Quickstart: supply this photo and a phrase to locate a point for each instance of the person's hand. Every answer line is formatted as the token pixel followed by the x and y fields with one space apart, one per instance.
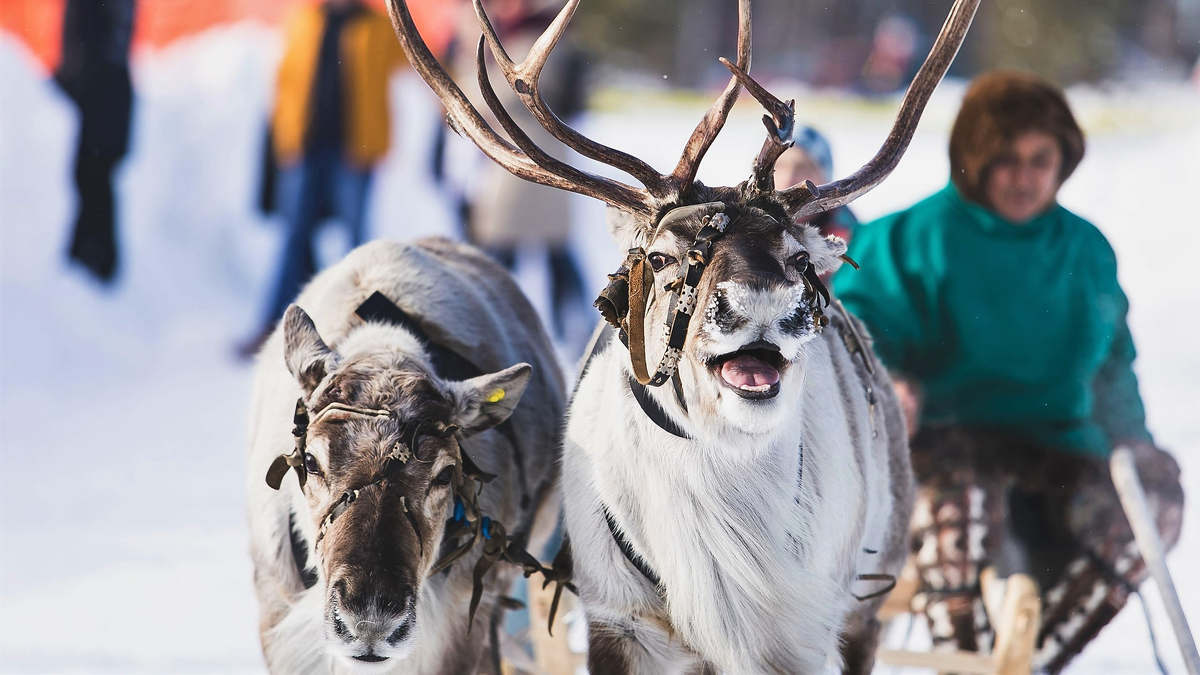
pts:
pixel 910 396
pixel 1155 467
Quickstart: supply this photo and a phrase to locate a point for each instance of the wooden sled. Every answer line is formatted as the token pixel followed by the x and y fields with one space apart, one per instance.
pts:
pixel 1015 609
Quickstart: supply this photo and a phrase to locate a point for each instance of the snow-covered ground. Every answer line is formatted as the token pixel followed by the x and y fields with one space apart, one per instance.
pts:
pixel 122 538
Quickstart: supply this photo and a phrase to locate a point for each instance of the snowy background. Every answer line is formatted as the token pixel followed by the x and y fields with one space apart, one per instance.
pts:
pixel 123 545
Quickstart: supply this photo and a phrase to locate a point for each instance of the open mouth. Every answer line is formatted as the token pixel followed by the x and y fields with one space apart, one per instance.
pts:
pixel 752 372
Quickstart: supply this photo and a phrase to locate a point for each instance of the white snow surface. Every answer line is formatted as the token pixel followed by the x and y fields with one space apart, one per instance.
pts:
pixel 123 545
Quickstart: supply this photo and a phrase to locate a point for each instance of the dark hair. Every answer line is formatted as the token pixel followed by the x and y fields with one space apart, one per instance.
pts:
pixel 998 107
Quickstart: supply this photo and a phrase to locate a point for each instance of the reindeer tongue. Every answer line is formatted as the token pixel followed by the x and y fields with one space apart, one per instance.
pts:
pixel 747 372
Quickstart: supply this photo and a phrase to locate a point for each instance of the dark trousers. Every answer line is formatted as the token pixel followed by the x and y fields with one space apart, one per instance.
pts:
pixel 992 499
pixel 94 241
pixel 322 184
pixel 566 281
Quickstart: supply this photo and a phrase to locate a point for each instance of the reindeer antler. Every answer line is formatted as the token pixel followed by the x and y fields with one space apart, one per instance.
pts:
pixel 531 163
pixel 466 120
pixel 523 78
pixel 660 192
pixel 714 120
pixel 779 123
pixel 802 200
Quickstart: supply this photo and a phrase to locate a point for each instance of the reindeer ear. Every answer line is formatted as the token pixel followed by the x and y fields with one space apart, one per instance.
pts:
pixel 824 253
pixel 625 228
pixel 485 401
pixel 307 356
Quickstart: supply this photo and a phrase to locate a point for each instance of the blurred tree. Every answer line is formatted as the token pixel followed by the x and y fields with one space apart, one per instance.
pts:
pixel 829 43
pixel 630 34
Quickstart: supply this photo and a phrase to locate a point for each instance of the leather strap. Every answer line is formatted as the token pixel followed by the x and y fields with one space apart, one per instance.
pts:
pixel 641 280
pixel 447 363
pixel 654 412
pixel 854 341
pixel 627 549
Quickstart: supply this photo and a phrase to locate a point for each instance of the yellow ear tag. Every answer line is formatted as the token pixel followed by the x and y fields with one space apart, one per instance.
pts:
pixel 496 396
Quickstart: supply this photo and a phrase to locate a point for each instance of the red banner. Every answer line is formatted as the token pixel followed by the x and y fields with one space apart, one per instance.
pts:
pixel 38 23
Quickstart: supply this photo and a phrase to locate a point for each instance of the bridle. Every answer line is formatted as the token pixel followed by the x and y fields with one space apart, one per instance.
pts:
pixel 623 303
pixel 401 453
pixel 468 519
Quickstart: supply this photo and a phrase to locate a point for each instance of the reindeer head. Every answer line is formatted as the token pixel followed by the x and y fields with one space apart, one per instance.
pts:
pixel 756 294
pixel 734 289
pixel 378 460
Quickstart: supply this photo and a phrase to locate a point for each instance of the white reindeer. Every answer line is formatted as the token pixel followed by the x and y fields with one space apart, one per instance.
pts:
pixel 344 583
pixel 746 517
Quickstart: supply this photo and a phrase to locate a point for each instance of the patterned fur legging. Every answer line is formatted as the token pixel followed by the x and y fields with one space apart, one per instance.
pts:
pixel 987 499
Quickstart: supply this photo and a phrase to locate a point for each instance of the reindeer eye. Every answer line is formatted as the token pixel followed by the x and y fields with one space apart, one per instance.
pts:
pixel 800 262
pixel 444 477
pixel 659 260
pixel 311 465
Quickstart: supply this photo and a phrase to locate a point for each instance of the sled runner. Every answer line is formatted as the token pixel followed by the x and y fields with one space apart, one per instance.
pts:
pixel 1133 501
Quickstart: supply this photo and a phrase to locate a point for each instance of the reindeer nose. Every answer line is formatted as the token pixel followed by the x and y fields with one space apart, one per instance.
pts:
pixel 759 280
pixel 373 616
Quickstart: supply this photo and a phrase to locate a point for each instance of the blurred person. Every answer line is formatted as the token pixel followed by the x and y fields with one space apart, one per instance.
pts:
pixel 893 49
pixel 1000 315
pixel 331 125
pixel 506 212
pixel 94 73
pixel 811 158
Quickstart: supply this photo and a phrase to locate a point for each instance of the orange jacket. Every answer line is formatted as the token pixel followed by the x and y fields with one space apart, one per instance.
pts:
pixel 370 52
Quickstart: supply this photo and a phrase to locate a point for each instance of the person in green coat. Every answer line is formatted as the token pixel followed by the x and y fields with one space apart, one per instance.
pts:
pixel 999 313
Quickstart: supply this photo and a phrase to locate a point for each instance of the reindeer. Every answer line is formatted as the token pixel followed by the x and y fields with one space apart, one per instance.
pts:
pixel 401 374
pixel 747 517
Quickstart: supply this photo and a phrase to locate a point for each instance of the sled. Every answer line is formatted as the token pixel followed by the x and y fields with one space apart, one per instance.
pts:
pixel 1014 607
pixel 1145 533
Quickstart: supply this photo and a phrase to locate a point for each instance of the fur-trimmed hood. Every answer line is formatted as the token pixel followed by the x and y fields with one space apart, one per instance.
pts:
pixel 998 107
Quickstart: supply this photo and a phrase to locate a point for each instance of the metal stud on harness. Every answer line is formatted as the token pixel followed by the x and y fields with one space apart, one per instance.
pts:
pixel 623 302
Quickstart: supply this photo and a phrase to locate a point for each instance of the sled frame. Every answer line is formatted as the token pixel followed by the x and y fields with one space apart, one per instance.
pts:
pixel 1014 606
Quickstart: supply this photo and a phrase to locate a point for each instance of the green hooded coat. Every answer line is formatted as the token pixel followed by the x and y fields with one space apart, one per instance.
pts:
pixel 1020 327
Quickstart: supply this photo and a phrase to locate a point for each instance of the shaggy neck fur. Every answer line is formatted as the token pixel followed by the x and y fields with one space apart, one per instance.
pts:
pixel 757 566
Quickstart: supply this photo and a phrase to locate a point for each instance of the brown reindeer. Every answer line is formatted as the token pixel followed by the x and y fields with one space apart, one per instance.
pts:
pixel 408 362
pixel 737 487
